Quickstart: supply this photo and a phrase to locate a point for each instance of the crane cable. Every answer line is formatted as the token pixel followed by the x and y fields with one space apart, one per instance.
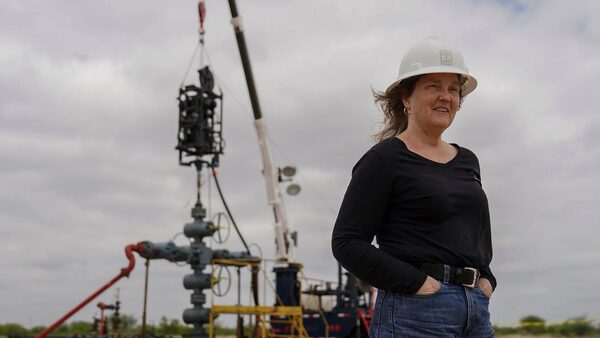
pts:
pixel 201 32
pixel 187 71
pixel 203 52
pixel 214 175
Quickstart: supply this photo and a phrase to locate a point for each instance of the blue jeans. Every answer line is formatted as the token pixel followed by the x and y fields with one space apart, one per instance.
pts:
pixel 454 311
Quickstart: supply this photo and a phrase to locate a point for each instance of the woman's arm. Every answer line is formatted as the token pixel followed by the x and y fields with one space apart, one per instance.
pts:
pixel 360 219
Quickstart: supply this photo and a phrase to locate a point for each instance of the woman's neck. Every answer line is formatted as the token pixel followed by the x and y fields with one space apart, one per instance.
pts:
pixel 421 138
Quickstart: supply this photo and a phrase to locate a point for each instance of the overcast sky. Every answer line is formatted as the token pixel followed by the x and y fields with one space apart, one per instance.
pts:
pixel 88 122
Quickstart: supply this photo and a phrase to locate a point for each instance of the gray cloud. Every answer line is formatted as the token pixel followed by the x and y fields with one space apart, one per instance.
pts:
pixel 88 125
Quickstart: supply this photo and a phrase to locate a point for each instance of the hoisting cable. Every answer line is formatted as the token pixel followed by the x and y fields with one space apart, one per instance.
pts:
pixel 147 264
pixel 190 64
pixel 201 32
pixel 202 17
pixel 214 175
pixel 203 53
pixel 276 146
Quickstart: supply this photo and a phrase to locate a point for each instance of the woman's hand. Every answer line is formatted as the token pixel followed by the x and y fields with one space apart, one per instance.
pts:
pixel 429 287
pixel 486 287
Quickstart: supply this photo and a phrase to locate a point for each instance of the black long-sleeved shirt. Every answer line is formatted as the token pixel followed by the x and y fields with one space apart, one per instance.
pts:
pixel 420 211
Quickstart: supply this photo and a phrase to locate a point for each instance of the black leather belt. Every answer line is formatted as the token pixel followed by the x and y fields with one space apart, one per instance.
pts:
pixel 449 274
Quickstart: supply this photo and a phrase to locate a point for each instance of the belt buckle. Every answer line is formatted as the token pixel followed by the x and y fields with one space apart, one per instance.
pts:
pixel 475 277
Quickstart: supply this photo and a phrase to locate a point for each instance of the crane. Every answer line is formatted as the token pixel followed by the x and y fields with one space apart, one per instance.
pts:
pixel 285 240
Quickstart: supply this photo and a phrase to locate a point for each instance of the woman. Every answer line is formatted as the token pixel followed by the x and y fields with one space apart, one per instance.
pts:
pixel 422 199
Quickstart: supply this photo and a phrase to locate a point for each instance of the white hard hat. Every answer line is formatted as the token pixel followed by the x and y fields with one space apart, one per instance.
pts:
pixel 432 55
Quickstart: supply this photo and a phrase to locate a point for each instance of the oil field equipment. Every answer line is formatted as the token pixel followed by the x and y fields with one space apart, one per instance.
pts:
pixel 338 309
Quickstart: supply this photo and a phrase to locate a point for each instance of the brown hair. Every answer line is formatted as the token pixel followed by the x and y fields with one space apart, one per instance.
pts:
pixel 395 119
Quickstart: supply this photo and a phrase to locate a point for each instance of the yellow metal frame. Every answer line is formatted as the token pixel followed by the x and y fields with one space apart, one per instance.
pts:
pixel 263 313
pixel 293 314
pixel 235 262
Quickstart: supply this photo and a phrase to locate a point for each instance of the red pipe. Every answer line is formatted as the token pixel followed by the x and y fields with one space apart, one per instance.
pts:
pixel 366 319
pixel 103 306
pixel 124 273
pixel 101 322
pixel 363 319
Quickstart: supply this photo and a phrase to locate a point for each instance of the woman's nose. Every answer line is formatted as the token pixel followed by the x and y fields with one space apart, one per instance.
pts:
pixel 445 95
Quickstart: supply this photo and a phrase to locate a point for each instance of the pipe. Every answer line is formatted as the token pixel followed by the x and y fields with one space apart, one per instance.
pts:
pixel 143 334
pixel 103 306
pixel 364 321
pixel 124 273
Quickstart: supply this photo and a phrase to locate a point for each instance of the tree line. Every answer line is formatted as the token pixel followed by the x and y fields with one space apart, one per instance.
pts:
pixel 128 326
pixel 535 325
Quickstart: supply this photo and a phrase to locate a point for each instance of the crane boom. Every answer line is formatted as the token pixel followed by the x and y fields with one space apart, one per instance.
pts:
pixel 283 242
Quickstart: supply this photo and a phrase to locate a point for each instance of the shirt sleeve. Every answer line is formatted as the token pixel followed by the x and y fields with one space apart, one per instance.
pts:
pixel 485 272
pixel 359 220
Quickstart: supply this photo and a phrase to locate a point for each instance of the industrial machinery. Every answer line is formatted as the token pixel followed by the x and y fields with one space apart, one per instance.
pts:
pixel 341 309
pixel 100 325
pixel 352 312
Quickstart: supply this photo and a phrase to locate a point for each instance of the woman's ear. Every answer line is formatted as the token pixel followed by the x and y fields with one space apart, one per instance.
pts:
pixel 406 104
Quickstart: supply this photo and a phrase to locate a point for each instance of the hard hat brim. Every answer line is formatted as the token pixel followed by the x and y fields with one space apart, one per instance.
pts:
pixel 467 87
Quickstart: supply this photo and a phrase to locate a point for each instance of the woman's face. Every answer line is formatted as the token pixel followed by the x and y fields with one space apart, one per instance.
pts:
pixel 434 101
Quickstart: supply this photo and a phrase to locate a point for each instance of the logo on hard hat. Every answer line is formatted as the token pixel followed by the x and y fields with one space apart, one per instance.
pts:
pixel 446 57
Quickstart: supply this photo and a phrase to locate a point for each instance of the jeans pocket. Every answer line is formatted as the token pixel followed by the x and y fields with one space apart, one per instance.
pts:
pixel 376 320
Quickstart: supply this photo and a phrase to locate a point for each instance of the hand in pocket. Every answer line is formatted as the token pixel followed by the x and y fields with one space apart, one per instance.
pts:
pixel 429 287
